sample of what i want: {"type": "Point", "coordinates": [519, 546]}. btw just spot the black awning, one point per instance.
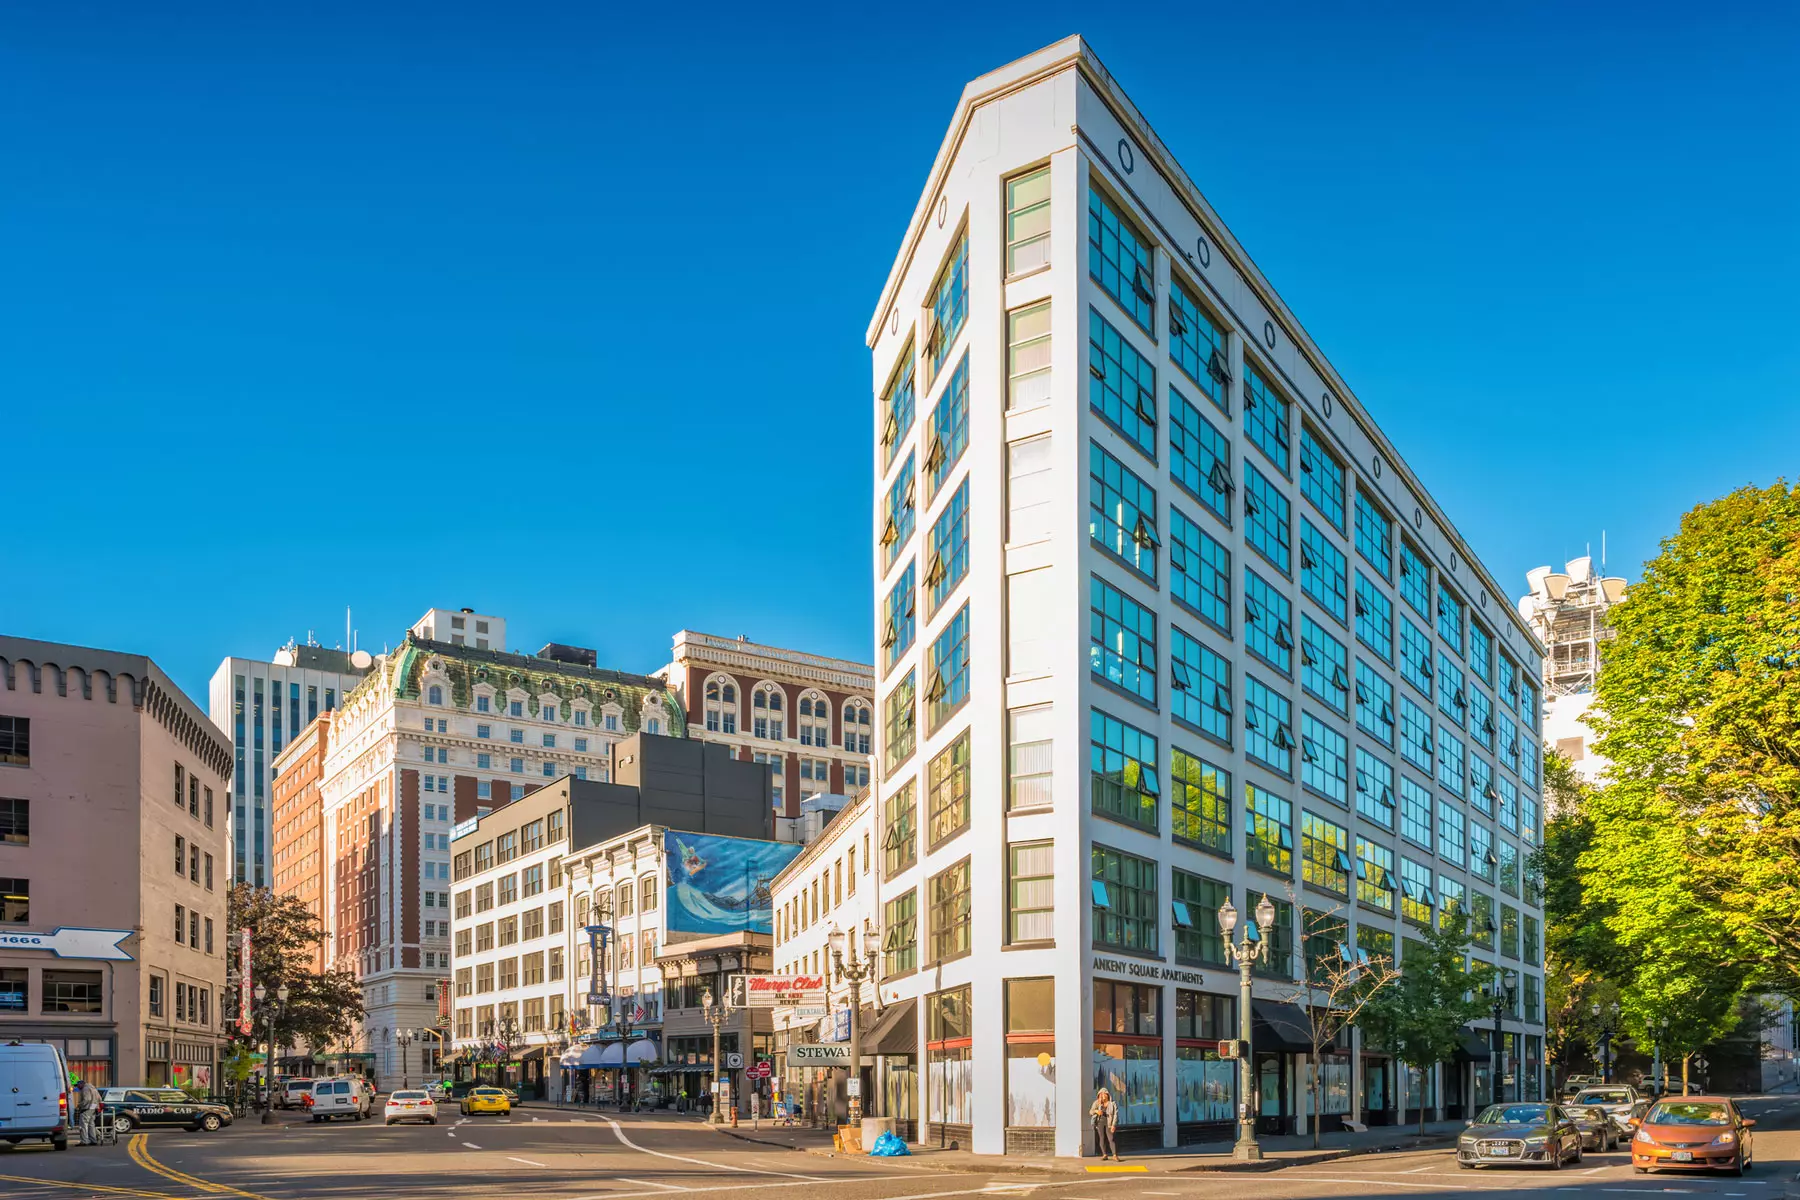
{"type": "Point", "coordinates": [896, 1031]}
{"type": "Point", "coordinates": [1276, 1026]}
{"type": "Point", "coordinates": [1472, 1045]}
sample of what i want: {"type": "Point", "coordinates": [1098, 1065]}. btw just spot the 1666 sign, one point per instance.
{"type": "Point", "coordinates": [1147, 970]}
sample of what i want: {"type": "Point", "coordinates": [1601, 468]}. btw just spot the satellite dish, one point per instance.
{"type": "Point", "coordinates": [361, 659]}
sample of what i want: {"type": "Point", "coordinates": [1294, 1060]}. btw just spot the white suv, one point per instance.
{"type": "Point", "coordinates": [343, 1097]}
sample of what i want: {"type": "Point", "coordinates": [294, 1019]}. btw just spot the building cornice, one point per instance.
{"type": "Point", "coordinates": [753, 658]}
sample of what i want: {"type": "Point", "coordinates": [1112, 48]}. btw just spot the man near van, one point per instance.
{"type": "Point", "coordinates": [87, 1111]}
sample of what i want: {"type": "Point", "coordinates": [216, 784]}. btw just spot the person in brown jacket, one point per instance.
{"type": "Point", "coordinates": [1106, 1124]}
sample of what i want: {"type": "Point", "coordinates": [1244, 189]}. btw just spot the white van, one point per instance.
{"type": "Point", "coordinates": [342, 1097]}
{"type": "Point", "coordinates": [34, 1094]}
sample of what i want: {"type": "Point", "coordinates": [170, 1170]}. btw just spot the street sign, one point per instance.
{"type": "Point", "coordinates": [825, 1054]}
{"type": "Point", "coordinates": [853, 1088]}
{"type": "Point", "coordinates": [759, 1070]}
{"type": "Point", "coordinates": [733, 1061]}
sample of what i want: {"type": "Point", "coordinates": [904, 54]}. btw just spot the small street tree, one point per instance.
{"type": "Point", "coordinates": [1339, 983]}
{"type": "Point", "coordinates": [1419, 1018]}
{"type": "Point", "coordinates": [322, 1007]}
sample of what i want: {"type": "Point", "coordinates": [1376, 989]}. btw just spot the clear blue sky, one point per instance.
{"type": "Point", "coordinates": [557, 310]}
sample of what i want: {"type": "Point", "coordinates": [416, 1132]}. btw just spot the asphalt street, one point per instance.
{"type": "Point", "coordinates": [590, 1156]}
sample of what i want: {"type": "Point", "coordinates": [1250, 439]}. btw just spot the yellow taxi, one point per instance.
{"type": "Point", "coordinates": [486, 1100]}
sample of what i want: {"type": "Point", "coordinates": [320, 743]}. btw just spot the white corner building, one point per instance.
{"type": "Point", "coordinates": [1162, 617]}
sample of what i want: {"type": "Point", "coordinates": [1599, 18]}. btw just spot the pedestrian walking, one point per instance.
{"type": "Point", "coordinates": [1106, 1125]}
{"type": "Point", "coordinates": [87, 1111]}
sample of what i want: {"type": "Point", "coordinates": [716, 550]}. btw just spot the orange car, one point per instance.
{"type": "Point", "coordinates": [1692, 1133]}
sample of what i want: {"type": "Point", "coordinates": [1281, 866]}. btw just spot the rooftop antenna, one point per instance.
{"type": "Point", "coordinates": [1603, 551]}
{"type": "Point", "coordinates": [347, 633]}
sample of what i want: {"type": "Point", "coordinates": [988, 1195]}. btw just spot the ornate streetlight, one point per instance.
{"type": "Point", "coordinates": [1607, 1019]}
{"type": "Point", "coordinates": [715, 1016]}
{"type": "Point", "coordinates": [1499, 989]}
{"type": "Point", "coordinates": [1246, 953]}
{"type": "Point", "coordinates": [271, 1014]}
{"type": "Point", "coordinates": [854, 971]}
{"type": "Point", "coordinates": [404, 1039]}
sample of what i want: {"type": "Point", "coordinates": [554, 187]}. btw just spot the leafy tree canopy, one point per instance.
{"type": "Point", "coordinates": [322, 1008]}
{"type": "Point", "coordinates": [1420, 1016]}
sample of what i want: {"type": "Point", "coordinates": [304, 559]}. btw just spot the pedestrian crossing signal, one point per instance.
{"type": "Point", "coordinates": [1231, 1048]}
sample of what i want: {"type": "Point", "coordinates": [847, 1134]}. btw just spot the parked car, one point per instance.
{"type": "Point", "coordinates": [162, 1108]}
{"type": "Point", "coordinates": [1598, 1131]}
{"type": "Point", "coordinates": [344, 1097]}
{"type": "Point", "coordinates": [410, 1105]}
{"type": "Point", "coordinates": [35, 1077]}
{"type": "Point", "coordinates": [486, 1100]}
{"type": "Point", "coordinates": [1573, 1085]}
{"type": "Point", "coordinates": [1618, 1099]}
{"type": "Point", "coordinates": [1693, 1133]}
{"type": "Point", "coordinates": [293, 1093]}
{"type": "Point", "coordinates": [1506, 1134]}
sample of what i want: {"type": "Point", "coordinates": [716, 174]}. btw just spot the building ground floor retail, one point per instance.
{"type": "Point", "coordinates": [945, 1074]}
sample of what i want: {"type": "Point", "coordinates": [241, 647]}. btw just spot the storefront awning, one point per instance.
{"type": "Point", "coordinates": [1277, 1027]}
{"type": "Point", "coordinates": [612, 1054]}
{"type": "Point", "coordinates": [582, 1057]}
{"type": "Point", "coordinates": [642, 1051]}
{"type": "Point", "coordinates": [1472, 1046]}
{"type": "Point", "coordinates": [896, 1031]}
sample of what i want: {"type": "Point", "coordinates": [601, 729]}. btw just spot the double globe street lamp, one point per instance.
{"type": "Point", "coordinates": [1246, 953]}
{"type": "Point", "coordinates": [271, 1014]}
{"type": "Point", "coordinates": [1607, 1019]}
{"type": "Point", "coordinates": [715, 1016]}
{"type": "Point", "coordinates": [854, 971]}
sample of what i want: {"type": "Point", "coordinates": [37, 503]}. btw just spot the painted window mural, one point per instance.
{"type": "Point", "coordinates": [721, 884]}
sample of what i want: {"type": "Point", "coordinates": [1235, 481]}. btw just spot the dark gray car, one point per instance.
{"type": "Point", "coordinates": [1617, 1099]}
{"type": "Point", "coordinates": [1541, 1135]}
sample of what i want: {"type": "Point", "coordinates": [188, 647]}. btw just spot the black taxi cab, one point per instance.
{"type": "Point", "coordinates": [162, 1108]}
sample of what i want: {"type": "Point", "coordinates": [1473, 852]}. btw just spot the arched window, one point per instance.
{"type": "Point", "coordinates": [815, 720]}
{"type": "Point", "coordinates": [721, 705]}
{"type": "Point", "coordinates": [581, 910]}
{"type": "Point", "coordinates": [434, 694]}
{"type": "Point", "coordinates": [767, 713]}
{"type": "Point", "coordinates": [858, 726]}
{"type": "Point", "coordinates": [647, 894]}
{"type": "Point", "coordinates": [622, 901]}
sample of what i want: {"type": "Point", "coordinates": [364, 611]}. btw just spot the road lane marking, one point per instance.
{"type": "Point", "coordinates": [139, 1150]}
{"type": "Point", "coordinates": [1593, 1170]}
{"type": "Point", "coordinates": [470, 1146]}
{"type": "Point", "coordinates": [651, 1183]}
{"type": "Point", "coordinates": [1421, 1170]}
{"type": "Point", "coordinates": [701, 1162]}
{"type": "Point", "coordinates": [526, 1161]}
{"type": "Point", "coordinates": [87, 1187]}
{"type": "Point", "coordinates": [1366, 1181]}
{"type": "Point", "coordinates": [759, 1187]}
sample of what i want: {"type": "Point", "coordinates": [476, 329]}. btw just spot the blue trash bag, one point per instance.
{"type": "Point", "coordinates": [889, 1146]}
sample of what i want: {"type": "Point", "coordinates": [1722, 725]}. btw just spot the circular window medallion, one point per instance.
{"type": "Point", "coordinates": [943, 210]}
{"type": "Point", "coordinates": [1325, 402]}
{"type": "Point", "coordinates": [1418, 518]}
{"type": "Point", "coordinates": [894, 321]}
{"type": "Point", "coordinates": [1484, 599]}
{"type": "Point", "coordinates": [1453, 561]}
{"type": "Point", "coordinates": [1204, 251]}
{"type": "Point", "coordinates": [1376, 466]}
{"type": "Point", "coordinates": [1127, 161]}
{"type": "Point", "coordinates": [1269, 334]}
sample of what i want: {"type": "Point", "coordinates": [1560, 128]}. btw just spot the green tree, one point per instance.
{"type": "Point", "coordinates": [1694, 851]}
{"type": "Point", "coordinates": [1419, 1017]}
{"type": "Point", "coordinates": [323, 1007]}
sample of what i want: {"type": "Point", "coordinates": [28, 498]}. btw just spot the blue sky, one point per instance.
{"type": "Point", "coordinates": [557, 312]}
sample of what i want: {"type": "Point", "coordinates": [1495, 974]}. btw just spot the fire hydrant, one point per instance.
{"type": "Point", "coordinates": [734, 1116]}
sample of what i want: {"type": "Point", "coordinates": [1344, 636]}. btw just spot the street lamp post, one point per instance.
{"type": "Point", "coordinates": [1608, 1019]}
{"type": "Point", "coordinates": [270, 1014]}
{"type": "Point", "coordinates": [1246, 953]}
{"type": "Point", "coordinates": [1499, 990]}
{"type": "Point", "coordinates": [715, 1016]}
{"type": "Point", "coordinates": [404, 1038]}
{"type": "Point", "coordinates": [854, 971]}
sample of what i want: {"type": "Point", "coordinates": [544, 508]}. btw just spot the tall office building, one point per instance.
{"type": "Point", "coordinates": [1567, 610]}
{"type": "Point", "coordinates": [1162, 619]}
{"type": "Point", "coordinates": [262, 706]}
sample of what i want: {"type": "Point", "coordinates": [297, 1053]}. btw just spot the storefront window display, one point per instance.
{"type": "Point", "coordinates": [1030, 1053]}
{"type": "Point", "coordinates": [950, 1067]}
{"type": "Point", "coordinates": [1128, 1049]}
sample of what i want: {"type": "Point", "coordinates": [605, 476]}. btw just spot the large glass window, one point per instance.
{"type": "Point", "coordinates": [1323, 570]}
{"type": "Point", "coordinates": [1417, 901]}
{"type": "Point", "coordinates": [1481, 851]}
{"type": "Point", "coordinates": [949, 303]}
{"type": "Point", "coordinates": [1028, 221]}
{"type": "Point", "coordinates": [1197, 901]}
{"type": "Point", "coordinates": [1415, 579]}
{"type": "Point", "coordinates": [948, 556]}
{"type": "Point", "coordinates": [1130, 1069]}
{"type": "Point", "coordinates": [1121, 641]}
{"type": "Point", "coordinates": [899, 829]}
{"type": "Point", "coordinates": [1269, 831]}
{"type": "Point", "coordinates": [1199, 685]}
{"type": "Point", "coordinates": [1482, 792]}
{"type": "Point", "coordinates": [949, 670]}
{"type": "Point", "coordinates": [1124, 900]}
{"type": "Point", "coordinates": [1374, 703]}
{"type": "Point", "coordinates": [1321, 478]}
{"type": "Point", "coordinates": [900, 930]}
{"type": "Point", "coordinates": [1199, 802]}
{"type": "Point", "coordinates": [897, 407]}
{"type": "Point", "coordinates": [947, 436]}
{"type": "Point", "coordinates": [1201, 457]}
{"type": "Point", "coordinates": [1324, 854]}
{"type": "Point", "coordinates": [1481, 653]}
{"type": "Point", "coordinates": [898, 628]}
{"type": "Point", "coordinates": [1028, 357]}
{"type": "Point", "coordinates": [949, 916]}
{"type": "Point", "coordinates": [1122, 387]}
{"type": "Point", "coordinates": [901, 718]}
{"type": "Point", "coordinates": [1374, 618]}
{"type": "Point", "coordinates": [1324, 766]}
{"type": "Point", "coordinates": [1123, 771]}
{"type": "Point", "coordinates": [1119, 260]}
{"type": "Point", "coordinates": [1374, 535]}
{"type": "Point", "coordinates": [1121, 512]}
{"type": "Point", "coordinates": [901, 515]}
{"type": "Point", "coordinates": [1415, 656]}
{"type": "Point", "coordinates": [1375, 877]}
{"type": "Point", "coordinates": [1031, 892]}
{"type": "Point", "coordinates": [1453, 700]}
{"type": "Point", "coordinates": [1374, 789]}
{"type": "Point", "coordinates": [949, 783]}
{"type": "Point", "coordinates": [1268, 726]}
{"type": "Point", "coordinates": [1030, 739]}
{"type": "Point", "coordinates": [1266, 417]}
{"type": "Point", "coordinates": [1450, 617]}
{"type": "Point", "coordinates": [1030, 1060]}
{"type": "Point", "coordinates": [1266, 513]}
{"type": "Point", "coordinates": [1322, 665]}
{"type": "Point", "coordinates": [1415, 735]}
{"type": "Point", "coordinates": [1481, 717]}
{"type": "Point", "coordinates": [1450, 760]}
{"type": "Point", "coordinates": [1451, 844]}
{"type": "Point", "coordinates": [1200, 571]}
{"type": "Point", "coordinates": [1415, 812]}
{"type": "Point", "coordinates": [1268, 622]}
{"type": "Point", "coordinates": [1197, 344]}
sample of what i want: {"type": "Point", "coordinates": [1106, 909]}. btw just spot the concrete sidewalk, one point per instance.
{"type": "Point", "coordinates": [1279, 1152]}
